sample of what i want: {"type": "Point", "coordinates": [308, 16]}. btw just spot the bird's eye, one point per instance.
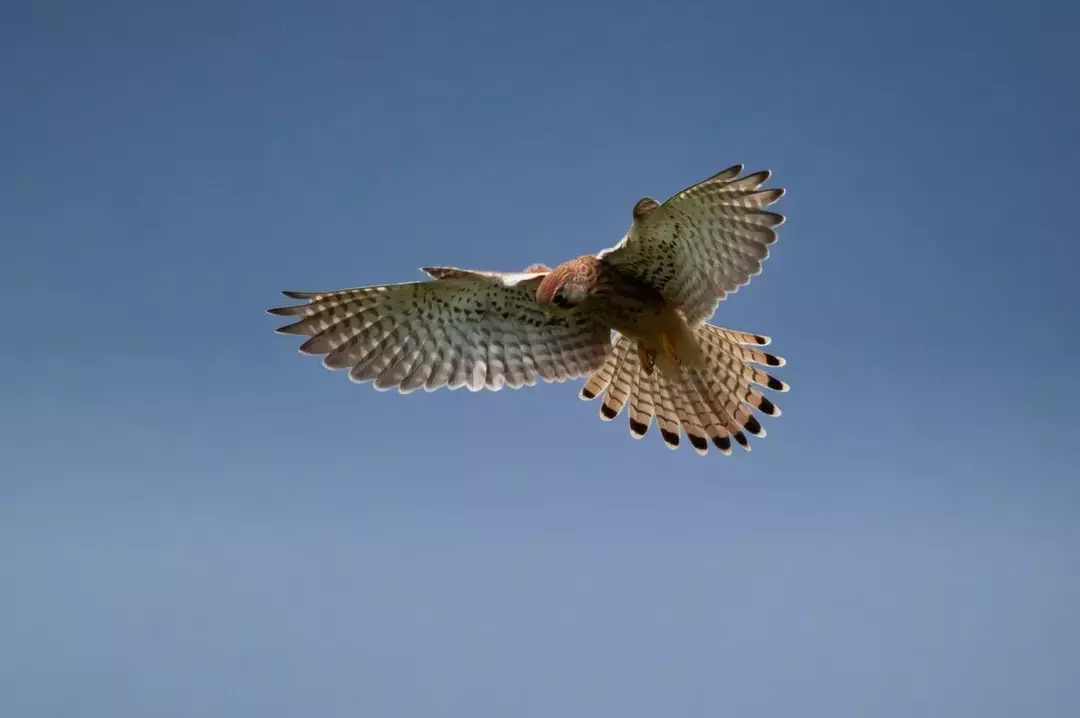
{"type": "Point", "coordinates": [560, 300]}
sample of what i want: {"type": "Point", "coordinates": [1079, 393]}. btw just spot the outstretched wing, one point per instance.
{"type": "Point", "coordinates": [704, 242]}
{"type": "Point", "coordinates": [463, 328]}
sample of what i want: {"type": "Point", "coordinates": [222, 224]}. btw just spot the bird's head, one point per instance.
{"type": "Point", "coordinates": [568, 285]}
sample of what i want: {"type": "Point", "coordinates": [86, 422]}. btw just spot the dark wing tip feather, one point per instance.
{"type": "Point", "coordinates": [776, 385]}
{"type": "Point", "coordinates": [767, 406]}
{"type": "Point", "coordinates": [608, 412]}
{"type": "Point", "coordinates": [752, 425]}
{"type": "Point", "coordinates": [775, 219]}
{"type": "Point", "coordinates": [755, 179]}
{"type": "Point", "coordinates": [700, 443]}
{"type": "Point", "coordinates": [286, 311]}
{"type": "Point", "coordinates": [291, 294]}
{"type": "Point", "coordinates": [587, 393]}
{"type": "Point", "coordinates": [728, 173]}
{"type": "Point", "coordinates": [308, 347]}
{"type": "Point", "coordinates": [768, 196]}
{"type": "Point", "coordinates": [296, 328]}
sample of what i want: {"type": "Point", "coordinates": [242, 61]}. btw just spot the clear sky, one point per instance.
{"type": "Point", "coordinates": [197, 521]}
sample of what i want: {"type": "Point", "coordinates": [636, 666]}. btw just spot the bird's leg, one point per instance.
{"type": "Point", "coordinates": [648, 358]}
{"type": "Point", "coordinates": [669, 348]}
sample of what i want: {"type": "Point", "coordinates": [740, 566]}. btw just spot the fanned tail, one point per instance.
{"type": "Point", "coordinates": [711, 403]}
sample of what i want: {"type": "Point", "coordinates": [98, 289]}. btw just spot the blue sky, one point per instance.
{"type": "Point", "coordinates": [196, 520]}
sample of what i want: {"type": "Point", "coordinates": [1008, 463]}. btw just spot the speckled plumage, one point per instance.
{"type": "Point", "coordinates": [655, 289]}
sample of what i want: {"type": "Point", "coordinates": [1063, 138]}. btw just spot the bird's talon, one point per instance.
{"type": "Point", "coordinates": [648, 359]}
{"type": "Point", "coordinates": [669, 349]}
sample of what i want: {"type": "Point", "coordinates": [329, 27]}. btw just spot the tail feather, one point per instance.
{"type": "Point", "coordinates": [712, 402]}
{"type": "Point", "coordinates": [725, 424]}
{"type": "Point", "coordinates": [716, 430]}
{"type": "Point", "coordinates": [692, 416]}
{"type": "Point", "coordinates": [730, 395]}
{"type": "Point", "coordinates": [642, 406]}
{"type": "Point", "coordinates": [702, 432]}
{"type": "Point", "coordinates": [600, 379]}
{"type": "Point", "coordinates": [667, 418]}
{"type": "Point", "coordinates": [742, 337]}
{"type": "Point", "coordinates": [618, 391]}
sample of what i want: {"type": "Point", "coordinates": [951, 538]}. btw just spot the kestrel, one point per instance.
{"type": "Point", "coordinates": [632, 319]}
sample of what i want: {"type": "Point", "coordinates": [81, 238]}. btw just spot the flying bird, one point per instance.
{"type": "Point", "coordinates": [632, 320]}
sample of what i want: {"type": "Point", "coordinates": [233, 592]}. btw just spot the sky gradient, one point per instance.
{"type": "Point", "coordinates": [197, 521]}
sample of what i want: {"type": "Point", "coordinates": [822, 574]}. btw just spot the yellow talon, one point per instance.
{"type": "Point", "coordinates": [648, 358]}
{"type": "Point", "coordinates": [669, 348]}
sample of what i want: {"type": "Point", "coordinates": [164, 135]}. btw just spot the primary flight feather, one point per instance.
{"type": "Point", "coordinates": [654, 290]}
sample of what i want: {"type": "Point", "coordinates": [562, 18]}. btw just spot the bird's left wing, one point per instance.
{"type": "Point", "coordinates": [703, 243]}
{"type": "Point", "coordinates": [462, 328]}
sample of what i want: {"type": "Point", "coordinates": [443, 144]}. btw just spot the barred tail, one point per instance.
{"type": "Point", "coordinates": [711, 403]}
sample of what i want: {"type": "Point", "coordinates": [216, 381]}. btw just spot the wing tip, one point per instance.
{"type": "Point", "coordinates": [291, 310]}
{"type": "Point", "coordinates": [729, 172]}
{"type": "Point", "coordinates": [308, 347]}
{"type": "Point", "coordinates": [291, 329]}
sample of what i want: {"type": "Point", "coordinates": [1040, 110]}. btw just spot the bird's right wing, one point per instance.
{"type": "Point", "coordinates": [462, 328]}
{"type": "Point", "coordinates": [703, 243]}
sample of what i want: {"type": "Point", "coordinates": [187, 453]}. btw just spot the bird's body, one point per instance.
{"type": "Point", "coordinates": [624, 304]}
{"type": "Point", "coordinates": [654, 290]}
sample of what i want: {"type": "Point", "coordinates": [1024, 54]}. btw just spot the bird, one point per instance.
{"type": "Point", "coordinates": [631, 320]}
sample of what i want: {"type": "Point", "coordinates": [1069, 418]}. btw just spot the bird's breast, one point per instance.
{"type": "Point", "coordinates": [637, 310]}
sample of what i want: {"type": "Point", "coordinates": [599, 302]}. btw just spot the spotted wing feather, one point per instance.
{"type": "Point", "coordinates": [482, 330]}
{"type": "Point", "coordinates": [704, 242]}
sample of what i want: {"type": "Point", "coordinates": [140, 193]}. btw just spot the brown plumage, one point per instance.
{"type": "Point", "coordinates": [655, 290]}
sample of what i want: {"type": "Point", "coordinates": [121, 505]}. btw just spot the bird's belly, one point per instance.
{"type": "Point", "coordinates": [647, 324]}
{"type": "Point", "coordinates": [653, 325]}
